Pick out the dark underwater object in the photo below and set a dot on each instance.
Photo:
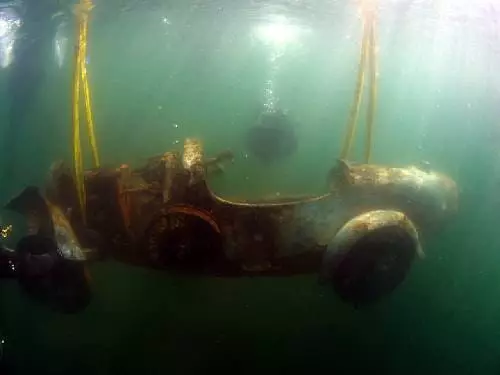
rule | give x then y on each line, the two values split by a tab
375	265
272	138
45	262
49	278
49	262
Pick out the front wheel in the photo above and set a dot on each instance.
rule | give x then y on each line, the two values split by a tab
370	256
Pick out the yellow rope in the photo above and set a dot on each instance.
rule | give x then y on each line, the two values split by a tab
367	52
80	73
372	103
358	95
86	94
77	155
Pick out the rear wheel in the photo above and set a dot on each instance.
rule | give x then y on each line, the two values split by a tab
185	239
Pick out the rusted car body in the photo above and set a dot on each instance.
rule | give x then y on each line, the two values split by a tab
361	236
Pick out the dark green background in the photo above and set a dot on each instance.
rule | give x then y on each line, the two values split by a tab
204	71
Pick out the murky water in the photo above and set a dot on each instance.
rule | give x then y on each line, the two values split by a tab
163	71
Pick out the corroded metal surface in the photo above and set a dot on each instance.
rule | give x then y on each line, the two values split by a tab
172	167
137	209
192	160
48	219
428	197
67	243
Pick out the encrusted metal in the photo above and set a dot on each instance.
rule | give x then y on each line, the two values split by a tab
166	205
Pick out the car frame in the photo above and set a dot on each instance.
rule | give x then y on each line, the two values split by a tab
361	236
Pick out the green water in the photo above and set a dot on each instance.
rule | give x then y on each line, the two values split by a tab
198	65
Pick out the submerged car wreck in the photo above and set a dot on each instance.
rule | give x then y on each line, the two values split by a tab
361	236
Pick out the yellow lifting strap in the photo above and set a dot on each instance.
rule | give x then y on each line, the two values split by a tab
82	11
367	57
